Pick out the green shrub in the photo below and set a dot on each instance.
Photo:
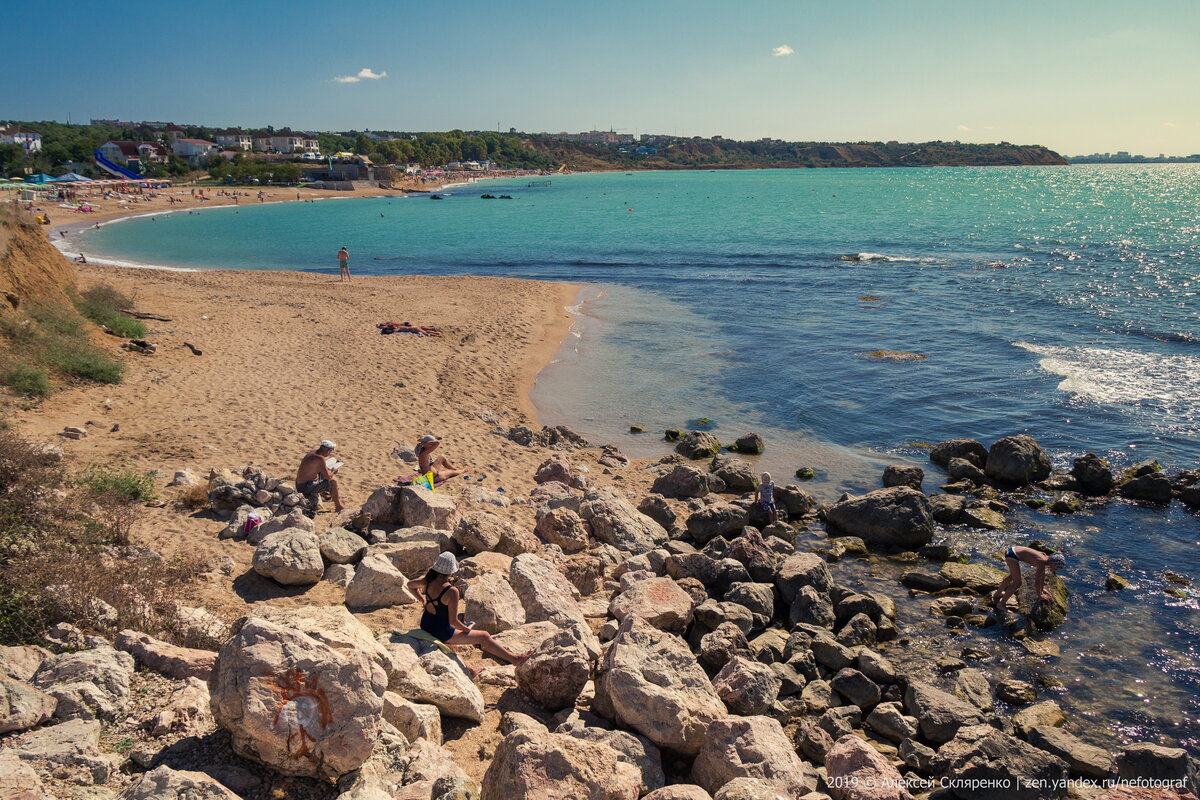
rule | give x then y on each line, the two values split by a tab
103	305
126	484
83	361
27	380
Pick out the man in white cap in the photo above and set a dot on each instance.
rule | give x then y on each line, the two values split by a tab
314	477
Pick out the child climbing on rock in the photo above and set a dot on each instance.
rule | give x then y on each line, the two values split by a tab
764	495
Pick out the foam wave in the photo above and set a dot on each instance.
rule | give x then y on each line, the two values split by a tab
885	257
1124	377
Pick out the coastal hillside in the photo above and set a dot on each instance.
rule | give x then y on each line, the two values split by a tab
31	269
720	153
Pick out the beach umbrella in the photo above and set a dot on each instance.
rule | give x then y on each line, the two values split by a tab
72	176
41	177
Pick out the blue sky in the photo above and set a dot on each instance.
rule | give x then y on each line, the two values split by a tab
1074	75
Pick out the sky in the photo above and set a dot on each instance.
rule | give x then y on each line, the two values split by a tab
1078	76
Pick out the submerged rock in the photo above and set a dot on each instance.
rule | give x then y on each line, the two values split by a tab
1093	474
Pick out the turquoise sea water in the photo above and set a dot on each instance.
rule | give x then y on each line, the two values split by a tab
1057	301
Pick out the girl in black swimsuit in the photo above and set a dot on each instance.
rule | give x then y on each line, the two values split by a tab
441	619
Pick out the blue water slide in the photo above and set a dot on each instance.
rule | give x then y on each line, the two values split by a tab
115	169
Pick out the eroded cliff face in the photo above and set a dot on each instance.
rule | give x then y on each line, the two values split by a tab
31	269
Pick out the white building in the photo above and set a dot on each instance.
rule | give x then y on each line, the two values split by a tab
31	141
234	139
195	151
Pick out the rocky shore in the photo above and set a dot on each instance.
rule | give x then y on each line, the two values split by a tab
684	647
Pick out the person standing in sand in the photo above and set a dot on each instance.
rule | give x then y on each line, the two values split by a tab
343	258
314	477
441	467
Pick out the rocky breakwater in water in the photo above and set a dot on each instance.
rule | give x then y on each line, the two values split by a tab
683	647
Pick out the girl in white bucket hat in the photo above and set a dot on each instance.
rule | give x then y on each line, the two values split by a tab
441	619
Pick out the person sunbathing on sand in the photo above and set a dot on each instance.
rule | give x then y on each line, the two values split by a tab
314	477
405	327
441	467
440	596
1012	581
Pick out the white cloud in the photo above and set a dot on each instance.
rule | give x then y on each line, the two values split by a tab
783	50
963	127
365	72
1169	125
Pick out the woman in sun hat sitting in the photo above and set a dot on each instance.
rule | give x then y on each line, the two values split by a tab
441	467
440	598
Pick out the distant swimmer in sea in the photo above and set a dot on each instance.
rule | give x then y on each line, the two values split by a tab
343	258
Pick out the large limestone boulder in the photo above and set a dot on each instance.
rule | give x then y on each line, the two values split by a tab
530	765
988	764
563	527
803	569
22	706
18	781
414	720
718	519
295	704
1082	758
548	596
383	506
429	509
291	557
340	546
857	771
679	791
295	519
737	474
616	522
1151	762
166	659
164	783
630	747
939	714
413	558
747	687
21	662
1017	460
188	711
492	605
555	674
333	626
751	747
898	516
976	577
659	601
481	531
425	674
698	444
377	583
650	682
88	685
73	745
687	481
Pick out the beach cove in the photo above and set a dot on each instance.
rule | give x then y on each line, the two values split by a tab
289	355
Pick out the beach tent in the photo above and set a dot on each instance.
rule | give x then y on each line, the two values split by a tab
41	177
71	176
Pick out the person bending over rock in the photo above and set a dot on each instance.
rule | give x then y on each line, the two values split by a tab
1012	582
441	467
315	476
440	596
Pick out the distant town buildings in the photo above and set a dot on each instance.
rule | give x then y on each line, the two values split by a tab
1125	157
594	137
30	141
195	151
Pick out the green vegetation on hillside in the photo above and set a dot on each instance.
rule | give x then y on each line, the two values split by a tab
720	153
104	305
